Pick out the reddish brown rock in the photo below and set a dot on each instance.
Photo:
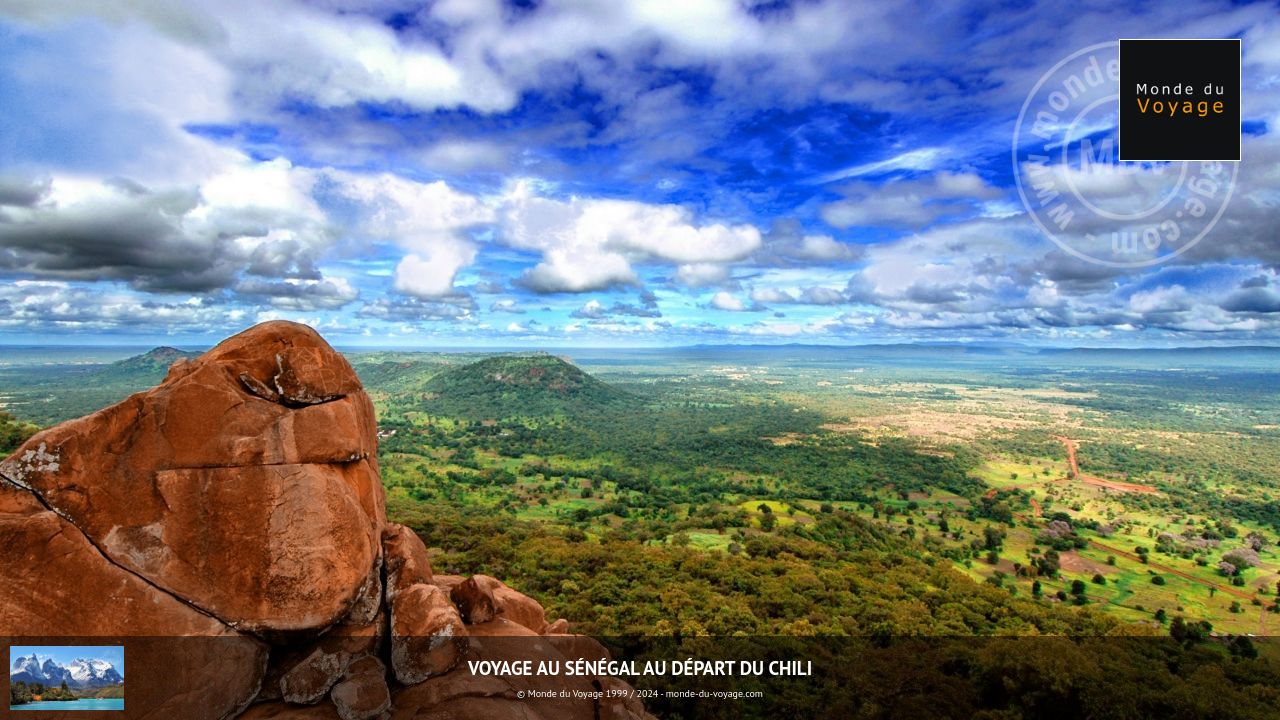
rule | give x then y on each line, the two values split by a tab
406	558
245	484
559	627
447	582
57	584
481	598
310	679
427	634
363	692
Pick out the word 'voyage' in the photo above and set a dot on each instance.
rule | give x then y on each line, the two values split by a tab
1179	107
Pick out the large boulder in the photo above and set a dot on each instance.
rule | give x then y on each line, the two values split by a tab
481	598
59	587
363	692
427	634
407	560
245	484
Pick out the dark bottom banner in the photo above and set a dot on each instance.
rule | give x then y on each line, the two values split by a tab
571	676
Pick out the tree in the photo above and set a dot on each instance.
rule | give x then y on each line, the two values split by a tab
1189	633
1241	646
19	693
992	538
1098	579
1157	580
768	521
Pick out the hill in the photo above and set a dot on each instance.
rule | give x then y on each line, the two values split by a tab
141	371
155	360
519	385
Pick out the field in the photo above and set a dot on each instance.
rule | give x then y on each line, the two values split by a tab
1085	491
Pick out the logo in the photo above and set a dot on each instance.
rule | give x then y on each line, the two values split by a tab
1180	100
1082	196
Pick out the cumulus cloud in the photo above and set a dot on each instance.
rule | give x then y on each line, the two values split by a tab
430	220
787	245
254	218
697	275
724	300
589	244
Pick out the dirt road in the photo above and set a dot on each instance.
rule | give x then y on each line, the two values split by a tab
1237	592
1116	485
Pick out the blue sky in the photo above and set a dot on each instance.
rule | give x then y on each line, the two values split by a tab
65	654
593	173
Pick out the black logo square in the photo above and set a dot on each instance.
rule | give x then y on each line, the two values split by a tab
1179	100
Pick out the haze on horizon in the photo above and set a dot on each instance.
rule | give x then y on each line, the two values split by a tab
582	174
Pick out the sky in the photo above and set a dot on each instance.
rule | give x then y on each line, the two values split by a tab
589	173
64	655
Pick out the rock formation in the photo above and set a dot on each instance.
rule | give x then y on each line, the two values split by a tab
228	527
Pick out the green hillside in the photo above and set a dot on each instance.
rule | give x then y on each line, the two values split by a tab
519	385
146	369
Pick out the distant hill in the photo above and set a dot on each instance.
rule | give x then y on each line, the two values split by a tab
512	385
143	370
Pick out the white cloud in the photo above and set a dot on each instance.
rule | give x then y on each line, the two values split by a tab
696	275
592	309
771	296
427	219
431	274
727	301
589	244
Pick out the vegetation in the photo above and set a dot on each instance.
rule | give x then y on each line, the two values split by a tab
871	495
518	386
21	693
13	432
